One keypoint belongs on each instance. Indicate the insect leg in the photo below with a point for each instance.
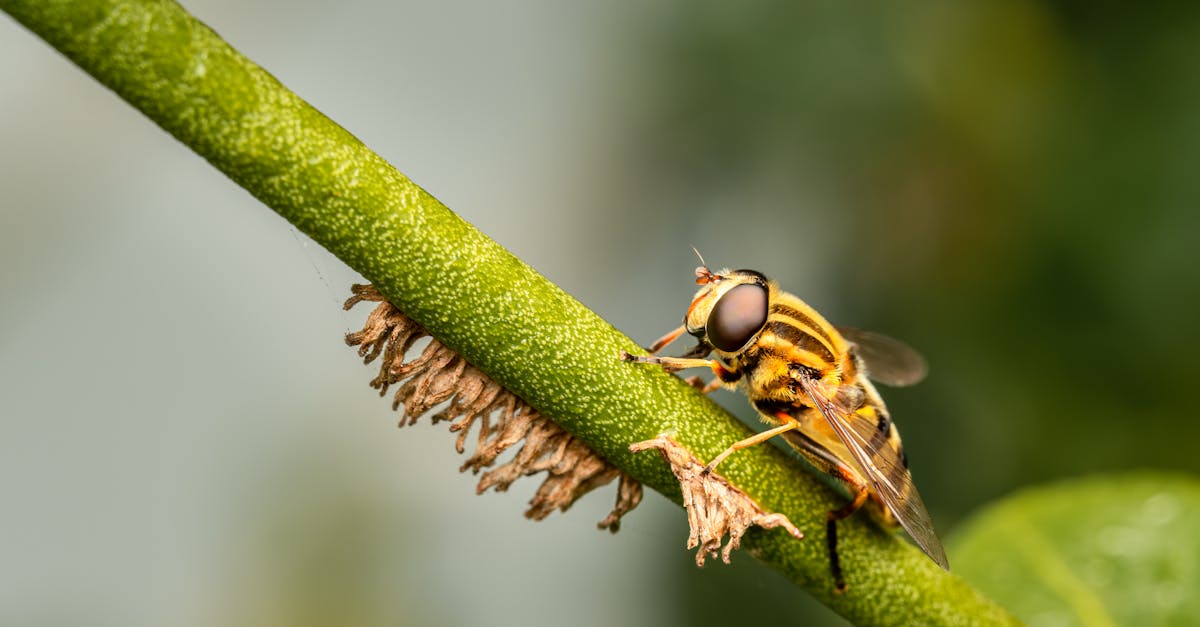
(835, 567)
(673, 364)
(758, 438)
(705, 387)
(824, 460)
(693, 358)
(662, 342)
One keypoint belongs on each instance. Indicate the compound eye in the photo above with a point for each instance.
(736, 317)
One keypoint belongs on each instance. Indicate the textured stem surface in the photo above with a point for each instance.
(475, 296)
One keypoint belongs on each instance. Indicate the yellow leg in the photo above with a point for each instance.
(750, 441)
(662, 342)
(672, 364)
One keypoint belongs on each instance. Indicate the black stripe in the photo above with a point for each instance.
(879, 438)
(798, 316)
(800, 370)
(800, 339)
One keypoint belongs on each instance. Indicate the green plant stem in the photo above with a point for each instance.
(473, 295)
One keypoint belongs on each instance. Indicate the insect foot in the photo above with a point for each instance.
(714, 507)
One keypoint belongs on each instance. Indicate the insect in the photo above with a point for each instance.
(812, 382)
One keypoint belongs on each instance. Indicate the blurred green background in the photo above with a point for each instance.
(184, 440)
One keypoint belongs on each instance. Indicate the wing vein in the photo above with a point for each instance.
(881, 464)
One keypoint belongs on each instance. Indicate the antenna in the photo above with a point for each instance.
(703, 274)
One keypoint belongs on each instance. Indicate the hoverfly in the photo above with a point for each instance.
(810, 380)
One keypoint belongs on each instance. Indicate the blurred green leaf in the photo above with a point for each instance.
(1108, 550)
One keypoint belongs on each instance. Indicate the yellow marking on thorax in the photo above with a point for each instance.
(811, 321)
(790, 310)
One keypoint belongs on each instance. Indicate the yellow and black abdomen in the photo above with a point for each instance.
(883, 436)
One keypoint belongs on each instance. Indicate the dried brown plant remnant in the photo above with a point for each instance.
(714, 507)
(439, 376)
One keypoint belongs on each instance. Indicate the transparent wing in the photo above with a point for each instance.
(888, 360)
(884, 469)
